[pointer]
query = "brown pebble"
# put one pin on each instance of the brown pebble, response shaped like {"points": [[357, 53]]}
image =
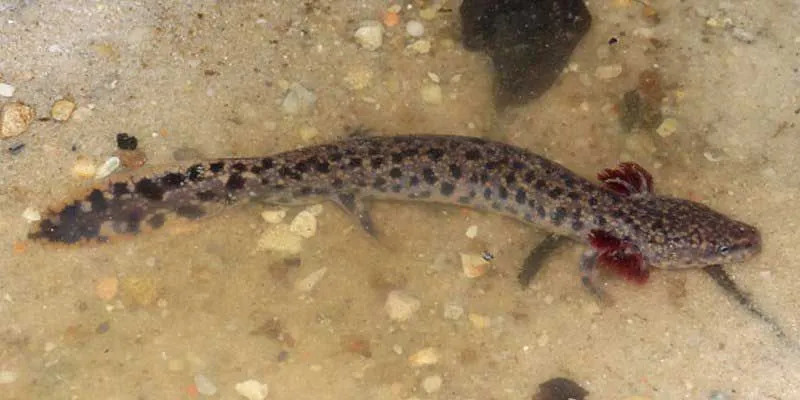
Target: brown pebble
{"points": [[15, 118], [132, 158]]}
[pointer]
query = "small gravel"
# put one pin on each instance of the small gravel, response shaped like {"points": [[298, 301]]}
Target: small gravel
{"points": [[252, 389], [369, 35], [401, 306], [15, 118], [415, 28], [62, 110], [204, 385], [7, 90]]}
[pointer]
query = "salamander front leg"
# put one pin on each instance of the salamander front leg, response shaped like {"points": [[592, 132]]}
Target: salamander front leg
{"points": [[589, 273]]}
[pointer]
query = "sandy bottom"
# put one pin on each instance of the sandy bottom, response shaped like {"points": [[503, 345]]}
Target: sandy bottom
{"points": [[194, 310]]}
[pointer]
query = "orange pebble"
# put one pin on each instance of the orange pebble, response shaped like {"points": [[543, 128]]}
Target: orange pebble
{"points": [[391, 18], [19, 247]]}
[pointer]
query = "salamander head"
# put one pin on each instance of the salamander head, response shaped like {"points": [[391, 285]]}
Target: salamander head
{"points": [[679, 233]]}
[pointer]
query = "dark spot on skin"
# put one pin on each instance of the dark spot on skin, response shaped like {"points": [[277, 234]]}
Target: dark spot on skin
{"points": [[592, 201], [323, 167], [267, 163], [429, 176], [555, 193], [235, 182], [119, 188], [256, 169], [447, 188], [490, 165], [497, 205], [558, 215], [356, 162], [397, 158], [435, 153], [156, 221], [455, 171], [573, 195], [395, 172], [472, 154], [541, 211], [540, 184], [521, 196], [206, 195], [291, 173], [195, 173], [599, 220], [98, 201], [410, 152], [484, 177], [474, 178], [487, 193], [414, 181], [517, 165], [376, 162], [529, 176], [335, 157], [511, 177], [617, 214], [301, 167], [577, 224], [216, 167], [337, 183], [320, 191], [150, 190], [379, 183], [503, 192], [172, 180], [240, 167], [190, 211], [655, 226], [305, 191]]}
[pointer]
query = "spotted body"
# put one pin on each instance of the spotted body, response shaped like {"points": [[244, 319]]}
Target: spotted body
{"points": [[624, 223]]}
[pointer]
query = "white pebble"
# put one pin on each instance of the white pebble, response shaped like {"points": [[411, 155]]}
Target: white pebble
{"points": [[667, 127], [7, 377], [608, 71], [298, 99], [432, 384], [204, 385], [426, 356], [415, 28], [49, 346], [281, 239], [453, 311], [369, 35], [308, 283], [400, 306], [252, 389], [273, 216], [31, 215], [107, 168], [743, 35], [304, 224], [7, 90], [431, 93], [473, 265], [472, 231]]}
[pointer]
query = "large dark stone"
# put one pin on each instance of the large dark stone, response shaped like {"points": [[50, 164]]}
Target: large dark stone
{"points": [[529, 41]]}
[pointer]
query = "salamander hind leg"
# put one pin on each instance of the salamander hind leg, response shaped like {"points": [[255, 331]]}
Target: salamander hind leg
{"points": [[355, 206]]}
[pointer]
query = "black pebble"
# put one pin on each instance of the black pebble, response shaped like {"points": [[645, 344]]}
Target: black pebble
{"points": [[126, 142], [528, 41]]}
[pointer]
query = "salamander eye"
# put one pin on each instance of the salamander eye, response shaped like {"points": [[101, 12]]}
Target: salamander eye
{"points": [[723, 249]]}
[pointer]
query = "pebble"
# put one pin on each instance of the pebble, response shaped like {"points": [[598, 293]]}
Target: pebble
{"points": [[431, 93], [304, 224], [273, 216], [108, 167], [717, 395], [281, 239], [298, 99], [132, 158], [204, 385], [252, 389], [14, 119], [426, 356], [49, 346], [358, 78], [369, 35], [31, 215], [432, 384], [62, 110], [310, 281], [606, 72], [473, 265], [400, 306], [742, 35], [84, 168], [479, 321], [428, 13], [107, 288], [421, 46], [667, 127], [415, 28], [472, 231], [453, 311], [7, 377], [7, 90]]}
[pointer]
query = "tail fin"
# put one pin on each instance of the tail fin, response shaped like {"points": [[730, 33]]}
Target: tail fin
{"points": [[129, 203]]}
